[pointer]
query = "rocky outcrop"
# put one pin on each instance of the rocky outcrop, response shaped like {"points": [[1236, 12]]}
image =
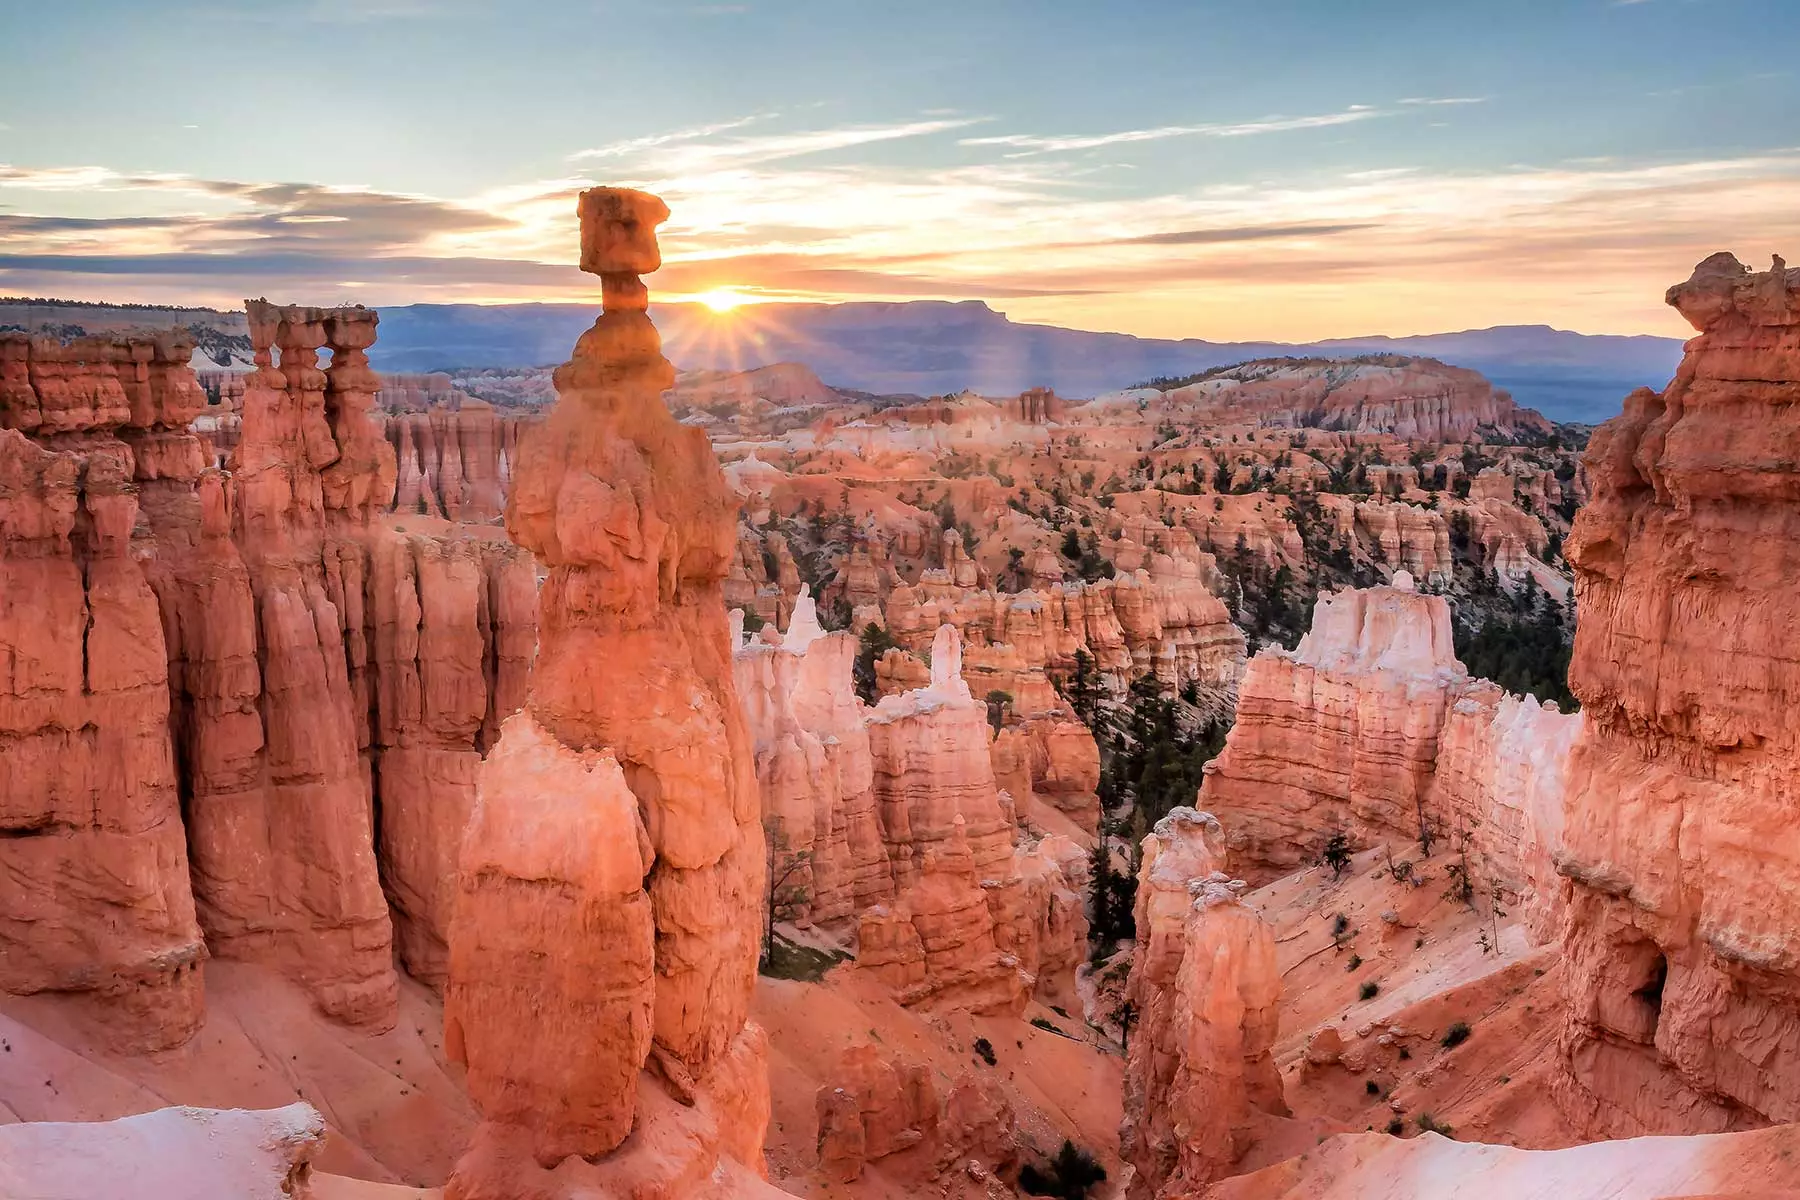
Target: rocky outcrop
{"points": [[1683, 942], [275, 675], [1205, 985], [453, 629], [892, 818], [314, 689], [98, 901], [455, 463], [640, 800], [872, 1108], [1415, 398], [828, 857], [1163, 622], [1371, 728], [172, 1154]]}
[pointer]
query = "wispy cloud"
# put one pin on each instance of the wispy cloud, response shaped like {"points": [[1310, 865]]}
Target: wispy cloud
{"points": [[638, 145], [1043, 144], [1439, 101], [1587, 243]]}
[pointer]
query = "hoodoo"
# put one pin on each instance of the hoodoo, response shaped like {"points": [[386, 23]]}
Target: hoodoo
{"points": [[613, 868]]}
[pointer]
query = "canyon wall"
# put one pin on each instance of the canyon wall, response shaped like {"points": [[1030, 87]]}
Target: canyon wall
{"points": [[98, 901], [1682, 849], [628, 784], [315, 688], [892, 819], [1165, 623], [1372, 728], [455, 463]]}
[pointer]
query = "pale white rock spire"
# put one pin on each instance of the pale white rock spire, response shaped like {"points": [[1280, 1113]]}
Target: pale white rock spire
{"points": [[1403, 581], [803, 627], [734, 621], [946, 664]]}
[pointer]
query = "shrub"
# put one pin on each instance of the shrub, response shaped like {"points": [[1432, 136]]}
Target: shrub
{"points": [[1396, 1127], [1337, 853], [1457, 1034], [1355, 962], [1371, 1087], [1428, 1125], [1068, 1176], [984, 1050], [1369, 990]]}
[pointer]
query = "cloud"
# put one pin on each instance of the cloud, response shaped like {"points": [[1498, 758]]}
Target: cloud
{"points": [[638, 145], [1439, 101], [1589, 243], [1039, 144], [1242, 233]]}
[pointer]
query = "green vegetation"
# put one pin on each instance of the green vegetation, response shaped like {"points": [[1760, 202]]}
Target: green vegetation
{"points": [[1337, 853], [1368, 991], [791, 960], [984, 1050], [871, 645], [1525, 650], [1457, 1034]]}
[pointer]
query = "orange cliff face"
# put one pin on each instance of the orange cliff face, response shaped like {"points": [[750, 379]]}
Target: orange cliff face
{"points": [[891, 821], [256, 644], [1372, 729], [1205, 987], [1683, 854], [98, 902], [629, 779]]}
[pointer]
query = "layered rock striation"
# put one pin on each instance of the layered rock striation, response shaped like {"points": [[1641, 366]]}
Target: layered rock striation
{"points": [[243, 707], [1206, 988], [1681, 849], [628, 784], [98, 901], [1372, 729], [891, 819]]}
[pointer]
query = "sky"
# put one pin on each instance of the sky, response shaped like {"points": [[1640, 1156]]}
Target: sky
{"points": [[1283, 169]]}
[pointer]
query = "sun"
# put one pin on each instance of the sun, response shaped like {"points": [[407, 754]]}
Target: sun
{"points": [[723, 300]]}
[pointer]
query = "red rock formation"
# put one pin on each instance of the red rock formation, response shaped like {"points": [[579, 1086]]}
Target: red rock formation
{"points": [[455, 463], [1372, 728], [873, 1109], [633, 695], [1683, 941], [453, 626], [1408, 397], [275, 674], [815, 774], [91, 840], [1206, 989]]}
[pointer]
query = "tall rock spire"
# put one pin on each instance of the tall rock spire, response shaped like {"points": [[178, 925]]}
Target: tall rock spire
{"points": [[628, 780]]}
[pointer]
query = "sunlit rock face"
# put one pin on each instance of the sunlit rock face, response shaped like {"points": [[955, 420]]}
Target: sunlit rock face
{"points": [[1160, 621], [630, 779], [1419, 399], [1682, 852], [457, 462], [1206, 988], [314, 687], [97, 901], [1371, 728]]}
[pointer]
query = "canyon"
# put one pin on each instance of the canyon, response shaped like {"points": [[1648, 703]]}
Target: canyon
{"points": [[709, 784]]}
